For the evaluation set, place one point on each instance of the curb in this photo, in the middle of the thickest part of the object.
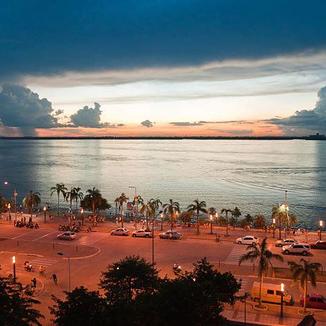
(21, 253)
(84, 257)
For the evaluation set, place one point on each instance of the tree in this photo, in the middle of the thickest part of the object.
(80, 307)
(236, 213)
(226, 211)
(74, 194)
(32, 200)
(3, 203)
(247, 221)
(16, 308)
(59, 188)
(260, 254)
(171, 209)
(304, 272)
(122, 199)
(155, 204)
(128, 278)
(94, 201)
(147, 210)
(195, 298)
(197, 207)
(283, 218)
(259, 221)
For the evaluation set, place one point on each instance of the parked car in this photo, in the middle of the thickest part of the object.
(316, 301)
(296, 249)
(120, 231)
(247, 240)
(318, 245)
(270, 293)
(142, 234)
(285, 242)
(174, 235)
(68, 235)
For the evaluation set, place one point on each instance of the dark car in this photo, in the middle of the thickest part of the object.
(318, 245)
(316, 301)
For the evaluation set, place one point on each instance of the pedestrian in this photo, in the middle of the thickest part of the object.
(55, 279)
(33, 282)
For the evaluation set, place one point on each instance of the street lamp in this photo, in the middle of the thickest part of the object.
(211, 221)
(274, 221)
(44, 212)
(321, 224)
(15, 194)
(81, 214)
(153, 259)
(282, 299)
(161, 216)
(9, 207)
(62, 254)
(14, 267)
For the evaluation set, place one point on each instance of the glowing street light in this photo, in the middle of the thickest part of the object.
(44, 212)
(274, 221)
(161, 216)
(14, 267)
(211, 221)
(321, 225)
(282, 299)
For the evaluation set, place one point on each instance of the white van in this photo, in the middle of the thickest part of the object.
(270, 293)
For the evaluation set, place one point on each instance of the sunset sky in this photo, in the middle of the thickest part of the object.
(163, 68)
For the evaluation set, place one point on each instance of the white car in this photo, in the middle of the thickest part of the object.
(247, 240)
(285, 242)
(120, 231)
(296, 249)
(68, 235)
(174, 235)
(142, 234)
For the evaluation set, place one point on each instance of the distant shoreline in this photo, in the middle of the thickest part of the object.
(312, 137)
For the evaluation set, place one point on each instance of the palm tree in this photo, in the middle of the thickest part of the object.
(156, 204)
(116, 202)
(31, 200)
(260, 254)
(304, 272)
(59, 188)
(226, 211)
(122, 199)
(94, 196)
(78, 196)
(259, 221)
(171, 209)
(236, 213)
(197, 206)
(138, 201)
(147, 210)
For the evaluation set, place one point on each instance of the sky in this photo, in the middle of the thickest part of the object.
(162, 68)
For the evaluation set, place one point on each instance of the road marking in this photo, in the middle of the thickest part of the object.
(235, 254)
(45, 235)
(21, 235)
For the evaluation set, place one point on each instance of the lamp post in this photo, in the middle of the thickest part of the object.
(161, 216)
(14, 267)
(211, 221)
(44, 212)
(321, 224)
(68, 258)
(15, 194)
(82, 215)
(9, 211)
(153, 252)
(274, 220)
(282, 299)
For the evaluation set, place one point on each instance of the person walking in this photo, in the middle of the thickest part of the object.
(55, 279)
(33, 281)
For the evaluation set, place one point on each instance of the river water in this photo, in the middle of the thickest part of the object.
(250, 174)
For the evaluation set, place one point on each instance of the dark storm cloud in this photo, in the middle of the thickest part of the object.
(45, 37)
(306, 120)
(88, 117)
(20, 107)
(147, 123)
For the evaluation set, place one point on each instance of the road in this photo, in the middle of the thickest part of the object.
(92, 252)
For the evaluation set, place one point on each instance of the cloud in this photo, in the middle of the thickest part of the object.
(147, 123)
(88, 117)
(187, 123)
(130, 34)
(58, 112)
(304, 121)
(22, 108)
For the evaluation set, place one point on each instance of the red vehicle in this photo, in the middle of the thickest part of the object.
(316, 301)
(318, 245)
